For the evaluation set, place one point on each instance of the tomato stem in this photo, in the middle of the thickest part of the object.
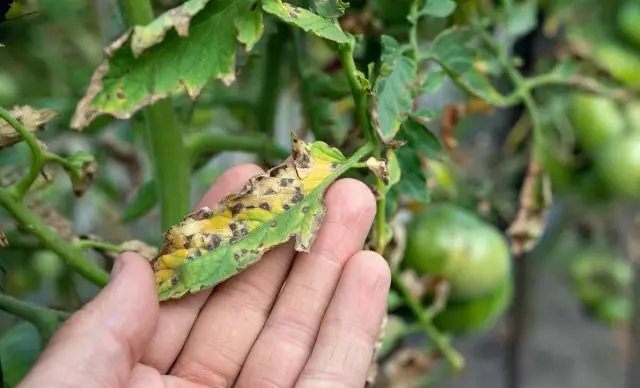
(424, 320)
(73, 256)
(37, 161)
(164, 138)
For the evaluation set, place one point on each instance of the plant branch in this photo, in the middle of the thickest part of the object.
(68, 252)
(164, 138)
(381, 217)
(441, 341)
(99, 245)
(45, 320)
(23, 185)
(345, 51)
(205, 142)
(414, 19)
(271, 80)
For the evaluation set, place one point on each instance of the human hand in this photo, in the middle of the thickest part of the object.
(309, 320)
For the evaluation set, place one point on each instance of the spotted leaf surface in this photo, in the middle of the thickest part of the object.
(179, 52)
(213, 244)
(305, 19)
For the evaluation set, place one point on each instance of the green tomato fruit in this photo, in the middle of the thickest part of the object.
(594, 120)
(475, 315)
(618, 163)
(629, 21)
(48, 265)
(598, 275)
(622, 63)
(450, 242)
(614, 311)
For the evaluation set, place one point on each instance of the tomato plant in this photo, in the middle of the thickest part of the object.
(114, 119)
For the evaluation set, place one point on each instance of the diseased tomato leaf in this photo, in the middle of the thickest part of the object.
(179, 52)
(394, 90)
(212, 245)
(305, 19)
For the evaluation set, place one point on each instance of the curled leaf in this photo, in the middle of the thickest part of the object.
(407, 367)
(32, 119)
(212, 245)
(140, 247)
(81, 168)
(379, 168)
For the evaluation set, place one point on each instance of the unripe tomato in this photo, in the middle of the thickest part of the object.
(47, 264)
(618, 164)
(595, 119)
(475, 315)
(452, 243)
(622, 63)
(629, 21)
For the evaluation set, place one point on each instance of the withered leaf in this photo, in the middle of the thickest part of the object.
(379, 168)
(32, 119)
(212, 245)
(3, 240)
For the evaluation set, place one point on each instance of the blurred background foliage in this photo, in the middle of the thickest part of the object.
(48, 59)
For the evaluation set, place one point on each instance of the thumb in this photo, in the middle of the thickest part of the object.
(99, 345)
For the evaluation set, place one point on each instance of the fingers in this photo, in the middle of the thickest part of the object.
(176, 317)
(287, 339)
(344, 348)
(231, 320)
(99, 345)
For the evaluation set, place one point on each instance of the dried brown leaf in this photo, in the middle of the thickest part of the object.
(32, 119)
(3, 240)
(407, 367)
(140, 247)
(535, 197)
(379, 168)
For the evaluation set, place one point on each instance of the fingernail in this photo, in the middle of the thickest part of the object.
(117, 268)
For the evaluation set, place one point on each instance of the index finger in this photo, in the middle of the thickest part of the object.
(177, 316)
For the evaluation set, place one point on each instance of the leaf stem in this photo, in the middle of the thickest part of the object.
(45, 320)
(345, 51)
(441, 341)
(99, 245)
(68, 252)
(166, 145)
(22, 186)
(414, 18)
(381, 217)
(271, 80)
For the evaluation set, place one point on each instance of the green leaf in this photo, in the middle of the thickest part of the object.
(81, 168)
(250, 28)
(394, 91)
(522, 19)
(286, 202)
(438, 8)
(423, 116)
(433, 81)
(413, 183)
(145, 200)
(330, 9)
(393, 167)
(419, 138)
(156, 61)
(19, 350)
(452, 49)
(305, 19)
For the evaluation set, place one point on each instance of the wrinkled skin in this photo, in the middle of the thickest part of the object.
(309, 320)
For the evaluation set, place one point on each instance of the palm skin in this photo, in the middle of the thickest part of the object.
(292, 319)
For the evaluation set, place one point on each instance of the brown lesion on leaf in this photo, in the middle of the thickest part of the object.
(305, 209)
(297, 197)
(236, 209)
(120, 95)
(265, 206)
